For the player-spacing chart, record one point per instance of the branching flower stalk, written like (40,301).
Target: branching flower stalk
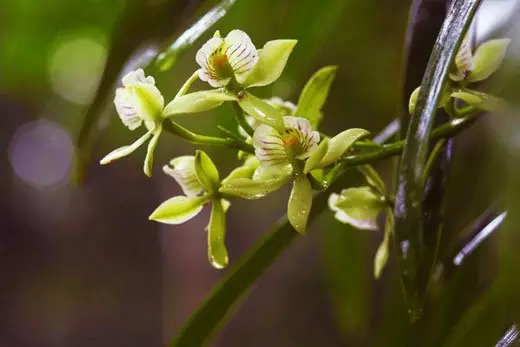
(278,141)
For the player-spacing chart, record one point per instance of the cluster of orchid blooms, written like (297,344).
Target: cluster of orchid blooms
(286,145)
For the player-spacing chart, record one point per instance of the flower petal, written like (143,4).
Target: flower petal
(136,77)
(269,148)
(182,169)
(358,207)
(241,53)
(217,252)
(207,73)
(178,209)
(300,203)
(246,188)
(124,102)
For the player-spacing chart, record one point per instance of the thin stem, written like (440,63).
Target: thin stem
(432,158)
(242,120)
(446,130)
(186,86)
(176,129)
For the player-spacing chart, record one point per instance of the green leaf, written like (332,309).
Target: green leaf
(271,63)
(206,171)
(300,203)
(261,111)
(197,102)
(148,160)
(316,156)
(217,252)
(381,256)
(245,171)
(315,94)
(372,177)
(409,220)
(246,188)
(488,58)
(178,209)
(340,143)
(125,150)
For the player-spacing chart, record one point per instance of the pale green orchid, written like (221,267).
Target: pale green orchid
(199,180)
(138,101)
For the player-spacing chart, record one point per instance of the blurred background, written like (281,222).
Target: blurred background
(81,265)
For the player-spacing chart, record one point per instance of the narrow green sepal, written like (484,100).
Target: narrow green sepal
(125,150)
(300,203)
(314,95)
(206,171)
(178,209)
(148,160)
(197,102)
(316,156)
(479,100)
(261,111)
(217,252)
(272,59)
(381,257)
(372,177)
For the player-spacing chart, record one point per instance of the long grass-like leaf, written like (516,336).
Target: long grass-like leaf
(408,211)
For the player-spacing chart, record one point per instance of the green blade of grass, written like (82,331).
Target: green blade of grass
(409,232)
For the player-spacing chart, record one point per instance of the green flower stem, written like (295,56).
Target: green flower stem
(242,121)
(432,159)
(176,129)
(186,86)
(446,130)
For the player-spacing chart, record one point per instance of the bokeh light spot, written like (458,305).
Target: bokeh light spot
(41,153)
(75,68)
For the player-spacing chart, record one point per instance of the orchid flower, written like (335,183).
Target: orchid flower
(469,67)
(199,180)
(138,101)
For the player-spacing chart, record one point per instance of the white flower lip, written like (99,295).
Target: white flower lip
(270,145)
(235,52)
(182,169)
(127,102)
